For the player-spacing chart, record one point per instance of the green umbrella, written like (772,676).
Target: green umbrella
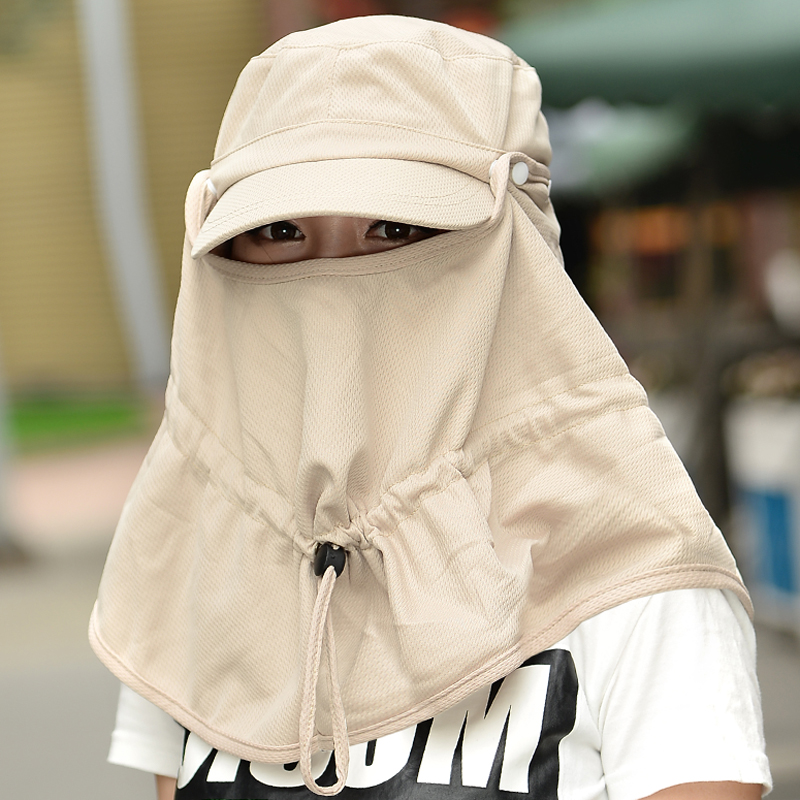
(598,148)
(720,53)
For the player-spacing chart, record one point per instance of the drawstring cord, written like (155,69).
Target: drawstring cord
(322,628)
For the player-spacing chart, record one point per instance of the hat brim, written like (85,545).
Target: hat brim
(413,192)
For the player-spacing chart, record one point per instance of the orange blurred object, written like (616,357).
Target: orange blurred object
(331,10)
(477,20)
(661,230)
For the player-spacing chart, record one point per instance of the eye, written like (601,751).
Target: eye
(282,231)
(399,231)
(383,229)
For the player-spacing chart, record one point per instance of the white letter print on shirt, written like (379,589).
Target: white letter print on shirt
(517,709)
(501,742)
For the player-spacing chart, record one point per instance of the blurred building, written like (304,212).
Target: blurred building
(61,318)
(68,321)
(676,175)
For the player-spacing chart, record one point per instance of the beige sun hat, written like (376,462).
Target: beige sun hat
(357,126)
(446,423)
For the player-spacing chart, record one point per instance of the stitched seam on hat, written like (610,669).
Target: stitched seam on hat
(621,374)
(289,128)
(231,274)
(424,496)
(626,582)
(254,281)
(401,255)
(532,644)
(578,424)
(435,202)
(331,76)
(517,65)
(549,398)
(520,650)
(362,45)
(225,489)
(222,487)
(240,500)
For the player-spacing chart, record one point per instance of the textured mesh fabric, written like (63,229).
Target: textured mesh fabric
(449,412)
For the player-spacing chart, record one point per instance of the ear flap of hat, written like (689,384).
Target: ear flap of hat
(200,199)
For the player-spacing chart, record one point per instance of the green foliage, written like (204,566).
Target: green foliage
(18,19)
(41,423)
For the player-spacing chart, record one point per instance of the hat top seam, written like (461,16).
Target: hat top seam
(517,65)
(475,145)
(236,213)
(360,45)
(331,85)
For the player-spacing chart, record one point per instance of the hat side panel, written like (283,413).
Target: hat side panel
(526,128)
(414,87)
(276,93)
(353,32)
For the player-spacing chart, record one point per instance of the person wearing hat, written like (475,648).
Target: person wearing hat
(409,528)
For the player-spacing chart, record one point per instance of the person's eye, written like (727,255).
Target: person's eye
(283,231)
(399,231)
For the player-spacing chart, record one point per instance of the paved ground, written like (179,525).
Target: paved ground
(63,500)
(57,702)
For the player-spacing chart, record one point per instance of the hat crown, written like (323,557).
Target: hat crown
(384,87)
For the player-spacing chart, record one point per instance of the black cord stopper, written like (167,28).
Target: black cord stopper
(329,555)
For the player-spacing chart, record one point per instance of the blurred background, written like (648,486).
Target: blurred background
(676,177)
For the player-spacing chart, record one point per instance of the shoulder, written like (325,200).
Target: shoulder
(661,626)
(670,682)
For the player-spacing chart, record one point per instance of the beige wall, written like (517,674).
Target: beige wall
(58,323)
(188,54)
(59,326)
